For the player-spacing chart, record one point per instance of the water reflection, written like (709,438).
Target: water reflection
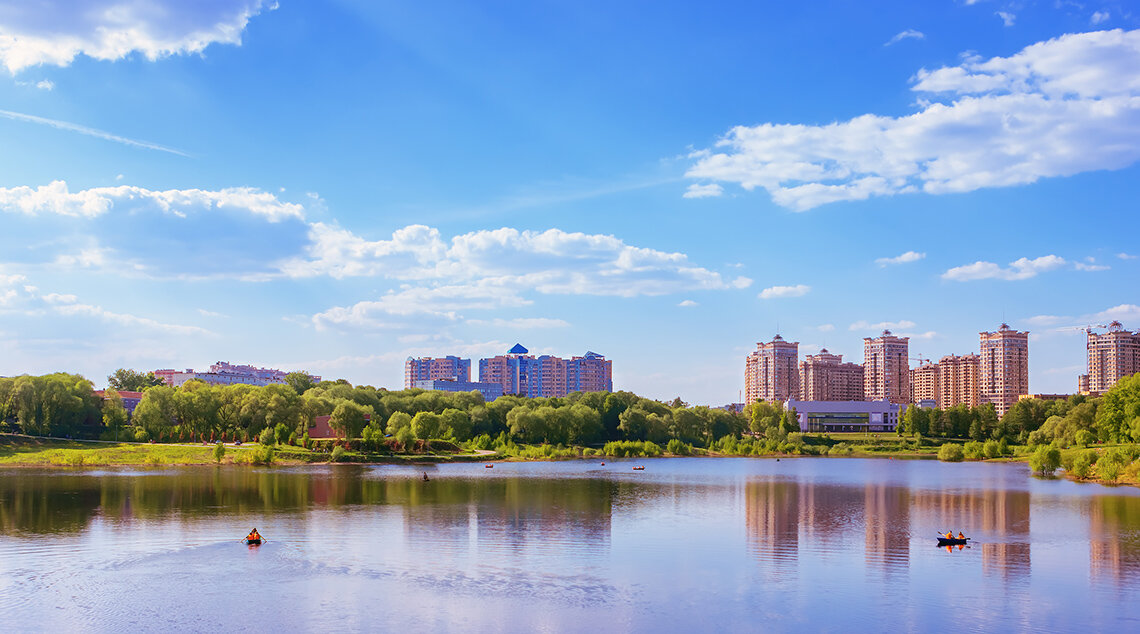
(1114,539)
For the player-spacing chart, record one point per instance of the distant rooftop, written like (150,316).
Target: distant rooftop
(518,349)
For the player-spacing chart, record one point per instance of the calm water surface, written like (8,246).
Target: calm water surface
(685,545)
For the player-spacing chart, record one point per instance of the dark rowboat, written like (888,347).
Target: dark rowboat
(253,542)
(942,541)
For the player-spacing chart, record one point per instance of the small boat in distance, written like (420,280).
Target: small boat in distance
(489,466)
(639,468)
(953,541)
(253,539)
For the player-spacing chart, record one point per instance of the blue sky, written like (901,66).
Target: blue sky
(336,186)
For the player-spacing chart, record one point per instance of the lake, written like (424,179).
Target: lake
(694,544)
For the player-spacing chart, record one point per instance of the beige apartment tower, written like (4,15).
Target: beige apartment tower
(770,372)
(1112,356)
(958,381)
(825,377)
(924,384)
(886,368)
(1004,368)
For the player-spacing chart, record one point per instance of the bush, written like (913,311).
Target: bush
(281,433)
(1108,471)
(219,452)
(263,455)
(1045,460)
(141,435)
(973,450)
(1038,437)
(1082,464)
(678,448)
(1084,438)
(992,449)
(266,437)
(951,452)
(337,454)
(306,442)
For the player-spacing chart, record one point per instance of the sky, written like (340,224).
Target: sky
(337,186)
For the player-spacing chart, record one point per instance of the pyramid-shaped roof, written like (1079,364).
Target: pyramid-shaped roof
(518,349)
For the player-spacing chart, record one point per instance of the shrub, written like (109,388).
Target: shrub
(141,435)
(951,452)
(306,442)
(992,449)
(337,454)
(1082,464)
(1037,437)
(678,448)
(219,452)
(973,450)
(263,455)
(1045,460)
(1108,471)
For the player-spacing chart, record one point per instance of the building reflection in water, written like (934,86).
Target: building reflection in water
(772,517)
(1114,539)
(997,520)
(887,526)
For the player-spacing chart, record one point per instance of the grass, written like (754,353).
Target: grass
(18,450)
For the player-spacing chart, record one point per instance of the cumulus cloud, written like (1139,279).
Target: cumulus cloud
(1090,265)
(551,261)
(1126,256)
(1007,18)
(775,292)
(1098,17)
(909,256)
(439,305)
(882,325)
(1020,269)
(45,84)
(687,303)
(113,29)
(908,34)
(1056,108)
(56,198)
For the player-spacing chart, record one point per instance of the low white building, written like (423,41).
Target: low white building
(845,416)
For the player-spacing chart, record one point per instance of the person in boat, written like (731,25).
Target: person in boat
(949,534)
(960,535)
(425,476)
(253,536)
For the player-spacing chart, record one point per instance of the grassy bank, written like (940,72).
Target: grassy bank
(18,450)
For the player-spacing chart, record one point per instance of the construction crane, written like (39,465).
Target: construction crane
(921,359)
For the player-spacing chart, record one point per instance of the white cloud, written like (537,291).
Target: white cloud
(1098,17)
(703,191)
(81,129)
(688,303)
(551,261)
(929,334)
(45,84)
(882,325)
(908,34)
(1126,256)
(1007,18)
(397,309)
(909,256)
(775,292)
(209,313)
(1056,108)
(56,198)
(1021,269)
(522,323)
(113,29)
(825,327)
(1090,265)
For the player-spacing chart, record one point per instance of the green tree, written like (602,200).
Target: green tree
(349,418)
(951,452)
(1045,460)
(124,380)
(156,412)
(219,452)
(114,414)
(427,425)
(301,382)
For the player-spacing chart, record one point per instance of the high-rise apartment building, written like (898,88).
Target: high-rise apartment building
(924,384)
(522,373)
(1004,367)
(1112,356)
(771,373)
(825,377)
(886,368)
(447,368)
(590,372)
(958,381)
